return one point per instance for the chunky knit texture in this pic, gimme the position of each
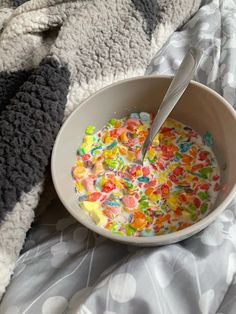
(54, 54)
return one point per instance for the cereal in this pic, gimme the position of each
(176, 186)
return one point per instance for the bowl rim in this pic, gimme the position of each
(160, 239)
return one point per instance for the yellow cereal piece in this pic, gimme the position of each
(88, 139)
(107, 139)
(115, 151)
(151, 153)
(156, 139)
(98, 217)
(78, 172)
(91, 206)
(154, 197)
(138, 173)
(102, 181)
(171, 167)
(86, 147)
(141, 128)
(162, 177)
(79, 186)
(117, 193)
(130, 156)
(79, 163)
(108, 153)
(160, 138)
(172, 202)
(124, 137)
(118, 183)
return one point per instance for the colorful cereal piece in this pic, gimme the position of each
(108, 187)
(90, 129)
(207, 138)
(134, 115)
(90, 206)
(144, 116)
(93, 197)
(139, 222)
(88, 184)
(99, 218)
(79, 172)
(129, 201)
(98, 168)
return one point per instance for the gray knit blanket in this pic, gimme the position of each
(54, 54)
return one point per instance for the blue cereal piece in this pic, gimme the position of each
(144, 116)
(95, 148)
(143, 179)
(112, 203)
(113, 144)
(184, 147)
(82, 198)
(134, 115)
(207, 139)
(147, 233)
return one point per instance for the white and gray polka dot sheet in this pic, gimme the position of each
(64, 268)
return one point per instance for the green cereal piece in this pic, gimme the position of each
(203, 195)
(80, 151)
(143, 204)
(149, 219)
(143, 198)
(113, 226)
(113, 164)
(118, 232)
(194, 217)
(178, 155)
(90, 129)
(128, 185)
(205, 172)
(164, 206)
(112, 121)
(129, 230)
(204, 208)
(190, 208)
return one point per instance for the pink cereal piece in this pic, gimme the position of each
(129, 201)
(88, 184)
(132, 121)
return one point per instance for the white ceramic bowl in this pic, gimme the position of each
(200, 107)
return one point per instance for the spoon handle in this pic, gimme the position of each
(176, 89)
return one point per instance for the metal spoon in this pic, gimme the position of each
(176, 89)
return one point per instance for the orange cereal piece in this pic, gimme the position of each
(187, 159)
(193, 151)
(139, 220)
(149, 191)
(124, 138)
